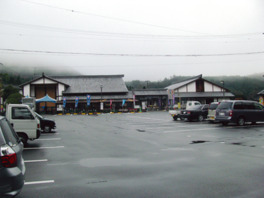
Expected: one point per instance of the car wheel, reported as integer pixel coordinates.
(23, 138)
(200, 118)
(241, 121)
(175, 118)
(224, 123)
(47, 129)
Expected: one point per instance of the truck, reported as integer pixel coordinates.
(24, 121)
(30, 101)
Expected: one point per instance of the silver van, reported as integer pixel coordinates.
(240, 112)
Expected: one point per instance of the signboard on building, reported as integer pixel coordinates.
(170, 94)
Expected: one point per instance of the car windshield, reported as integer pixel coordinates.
(39, 116)
(225, 105)
(196, 107)
(213, 106)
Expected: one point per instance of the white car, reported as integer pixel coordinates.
(212, 111)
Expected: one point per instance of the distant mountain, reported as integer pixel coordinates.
(31, 72)
(257, 75)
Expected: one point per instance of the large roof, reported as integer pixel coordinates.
(204, 94)
(150, 92)
(261, 93)
(182, 83)
(93, 84)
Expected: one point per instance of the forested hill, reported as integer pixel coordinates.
(244, 87)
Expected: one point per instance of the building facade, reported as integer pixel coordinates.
(80, 93)
(199, 89)
(105, 93)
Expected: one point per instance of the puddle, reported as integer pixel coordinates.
(198, 141)
(141, 130)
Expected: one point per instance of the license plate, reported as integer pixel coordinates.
(221, 114)
(212, 117)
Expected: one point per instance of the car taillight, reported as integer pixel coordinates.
(38, 126)
(188, 112)
(8, 157)
(230, 113)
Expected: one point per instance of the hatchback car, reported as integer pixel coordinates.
(198, 112)
(46, 125)
(240, 112)
(12, 166)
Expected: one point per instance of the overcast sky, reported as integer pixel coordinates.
(142, 39)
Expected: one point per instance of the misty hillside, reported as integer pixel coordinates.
(29, 72)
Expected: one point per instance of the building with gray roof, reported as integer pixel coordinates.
(110, 92)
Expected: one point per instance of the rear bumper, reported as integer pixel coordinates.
(38, 133)
(13, 181)
(223, 119)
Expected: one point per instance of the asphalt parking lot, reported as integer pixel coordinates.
(144, 155)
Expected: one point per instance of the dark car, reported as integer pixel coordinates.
(46, 125)
(12, 166)
(198, 112)
(240, 112)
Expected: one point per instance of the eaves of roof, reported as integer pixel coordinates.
(43, 76)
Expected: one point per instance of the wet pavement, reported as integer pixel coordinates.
(144, 155)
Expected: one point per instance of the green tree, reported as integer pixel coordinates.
(14, 98)
(8, 91)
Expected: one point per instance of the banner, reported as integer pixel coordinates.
(123, 103)
(88, 100)
(170, 94)
(64, 102)
(261, 100)
(111, 101)
(76, 102)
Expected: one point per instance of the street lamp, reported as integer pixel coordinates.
(223, 82)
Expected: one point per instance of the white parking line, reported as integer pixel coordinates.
(50, 139)
(33, 161)
(40, 182)
(49, 134)
(52, 147)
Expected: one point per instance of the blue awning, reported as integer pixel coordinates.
(46, 99)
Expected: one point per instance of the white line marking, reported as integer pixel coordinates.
(50, 139)
(40, 182)
(49, 134)
(32, 161)
(54, 147)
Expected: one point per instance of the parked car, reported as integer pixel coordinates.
(175, 112)
(197, 112)
(12, 166)
(190, 104)
(212, 111)
(46, 124)
(240, 112)
(24, 122)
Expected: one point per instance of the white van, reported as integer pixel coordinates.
(190, 104)
(24, 121)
